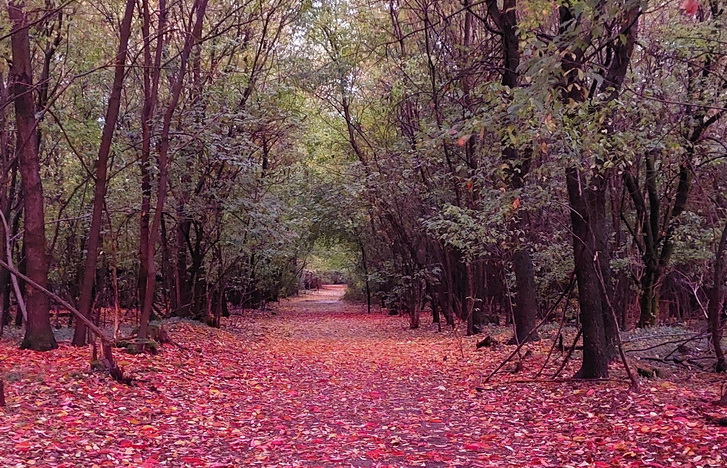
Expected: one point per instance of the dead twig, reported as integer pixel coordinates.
(9, 256)
(680, 342)
(547, 381)
(560, 325)
(534, 330)
(570, 353)
(619, 344)
(694, 338)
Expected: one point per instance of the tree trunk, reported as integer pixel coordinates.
(583, 200)
(715, 302)
(364, 266)
(526, 305)
(192, 37)
(38, 331)
(469, 299)
(526, 300)
(413, 312)
(151, 74)
(7, 167)
(99, 195)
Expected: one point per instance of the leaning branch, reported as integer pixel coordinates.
(110, 364)
(533, 331)
(9, 256)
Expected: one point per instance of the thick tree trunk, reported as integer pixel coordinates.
(584, 205)
(649, 299)
(99, 195)
(38, 331)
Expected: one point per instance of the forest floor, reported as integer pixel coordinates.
(316, 382)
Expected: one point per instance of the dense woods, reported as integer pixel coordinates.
(522, 205)
(483, 161)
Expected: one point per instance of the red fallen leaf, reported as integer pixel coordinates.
(400, 369)
(22, 446)
(474, 446)
(375, 454)
(690, 7)
(150, 462)
(463, 140)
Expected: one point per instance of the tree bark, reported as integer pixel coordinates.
(525, 291)
(99, 195)
(526, 300)
(152, 70)
(715, 302)
(38, 331)
(583, 199)
(191, 38)
(364, 266)
(7, 173)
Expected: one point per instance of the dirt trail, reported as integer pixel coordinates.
(317, 382)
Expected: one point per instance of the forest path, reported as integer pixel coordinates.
(321, 383)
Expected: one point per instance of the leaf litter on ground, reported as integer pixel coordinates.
(321, 383)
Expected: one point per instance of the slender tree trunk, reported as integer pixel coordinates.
(193, 36)
(182, 232)
(469, 299)
(38, 331)
(526, 300)
(19, 316)
(99, 195)
(6, 166)
(716, 300)
(364, 265)
(152, 70)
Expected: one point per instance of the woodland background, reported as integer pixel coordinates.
(482, 161)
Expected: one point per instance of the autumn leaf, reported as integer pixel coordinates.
(22, 446)
(324, 383)
(690, 7)
(462, 141)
